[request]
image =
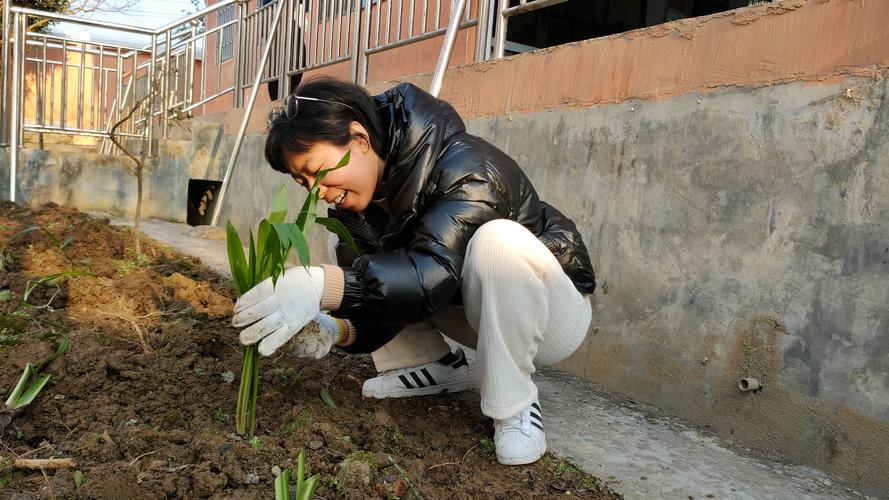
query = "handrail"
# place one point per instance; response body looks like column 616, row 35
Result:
column 201, row 13
column 77, row 20
column 447, row 47
column 217, row 207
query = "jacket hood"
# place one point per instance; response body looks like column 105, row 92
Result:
column 417, row 126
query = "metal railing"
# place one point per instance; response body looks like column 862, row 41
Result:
column 80, row 87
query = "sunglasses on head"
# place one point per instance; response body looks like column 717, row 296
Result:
column 291, row 107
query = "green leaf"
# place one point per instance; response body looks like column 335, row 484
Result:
column 79, row 478
column 67, row 242
column 336, row 227
column 292, row 237
column 5, row 295
column 61, row 349
column 32, row 392
column 236, row 260
column 308, row 489
column 300, row 471
column 282, row 485
column 306, row 217
column 325, row 396
column 23, row 231
column 20, row 386
column 31, row 285
column 279, row 206
column 251, row 262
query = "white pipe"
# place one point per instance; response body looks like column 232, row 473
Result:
column 749, row 384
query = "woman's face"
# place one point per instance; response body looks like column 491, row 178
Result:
column 350, row 187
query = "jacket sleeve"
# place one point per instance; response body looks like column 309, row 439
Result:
column 393, row 289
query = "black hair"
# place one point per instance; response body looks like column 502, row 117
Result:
column 323, row 121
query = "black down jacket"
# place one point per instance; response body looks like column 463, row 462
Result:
column 441, row 185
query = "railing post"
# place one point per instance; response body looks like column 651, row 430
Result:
column 483, row 30
column 14, row 114
column 4, row 87
column 500, row 33
column 152, row 68
column 365, row 41
column 165, row 88
column 356, row 47
column 284, row 42
column 238, row 100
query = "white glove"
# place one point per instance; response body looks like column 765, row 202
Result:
column 316, row 339
column 276, row 313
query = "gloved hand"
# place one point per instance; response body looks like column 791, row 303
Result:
column 276, row 313
column 316, row 339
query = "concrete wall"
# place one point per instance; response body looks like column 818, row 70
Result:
column 730, row 176
column 736, row 233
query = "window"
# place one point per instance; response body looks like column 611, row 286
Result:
column 226, row 44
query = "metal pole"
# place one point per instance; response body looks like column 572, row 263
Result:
column 14, row 129
column 365, row 41
column 447, row 47
column 217, row 208
column 165, row 100
column 284, row 42
column 148, row 88
column 356, row 47
column 500, row 33
column 4, row 87
column 242, row 50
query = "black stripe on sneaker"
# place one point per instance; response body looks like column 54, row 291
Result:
column 537, row 417
column 535, row 424
column 417, row 379
column 461, row 361
column 405, row 382
column 429, row 377
column 535, row 406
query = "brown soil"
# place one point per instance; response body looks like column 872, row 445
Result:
column 144, row 400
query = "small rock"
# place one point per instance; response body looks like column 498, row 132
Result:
column 155, row 465
column 59, row 397
column 251, row 478
column 355, row 470
column 276, row 471
column 315, row 444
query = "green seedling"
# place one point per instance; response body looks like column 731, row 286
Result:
column 255, row 442
column 267, row 254
column 325, row 396
column 30, row 384
column 50, row 280
column 305, row 488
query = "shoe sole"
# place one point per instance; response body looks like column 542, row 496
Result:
column 423, row 391
column 530, row 459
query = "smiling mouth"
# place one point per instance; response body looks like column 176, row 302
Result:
column 339, row 199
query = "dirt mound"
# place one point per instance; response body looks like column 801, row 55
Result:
column 144, row 401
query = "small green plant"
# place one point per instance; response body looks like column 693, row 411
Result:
column 288, row 377
column 486, row 446
column 221, row 416
column 255, row 442
column 267, row 254
column 305, row 488
column 302, row 418
column 30, row 384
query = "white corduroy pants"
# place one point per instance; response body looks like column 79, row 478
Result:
column 521, row 311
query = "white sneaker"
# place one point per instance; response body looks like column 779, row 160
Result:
column 520, row 440
column 448, row 374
